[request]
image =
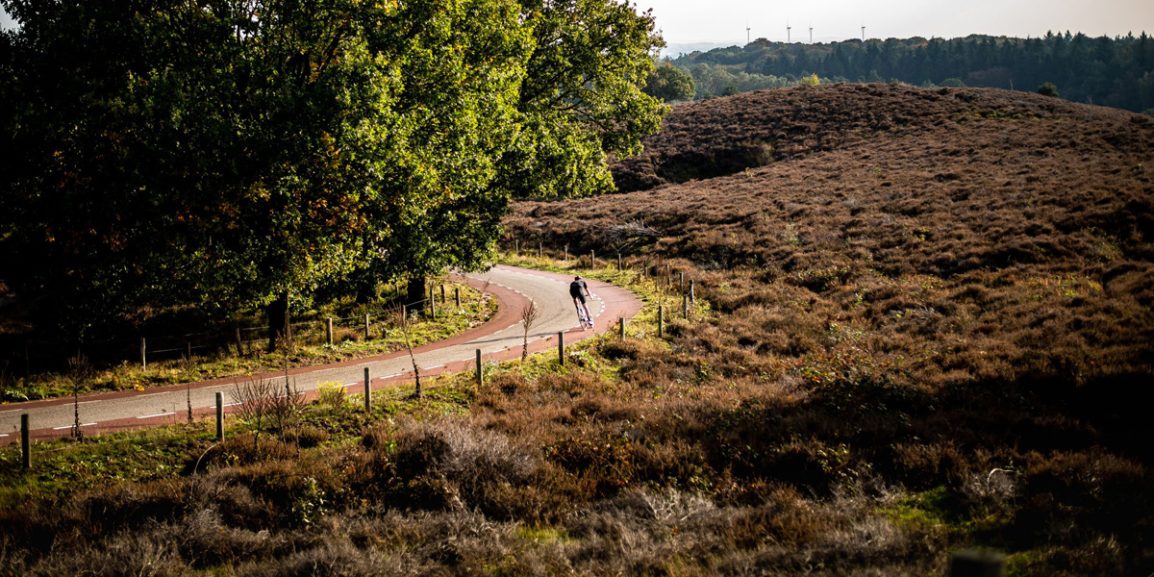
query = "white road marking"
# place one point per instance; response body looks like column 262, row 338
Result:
column 70, row 426
column 153, row 416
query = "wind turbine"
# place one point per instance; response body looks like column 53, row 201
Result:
column 863, row 32
column 747, row 32
column 788, row 38
column 811, row 33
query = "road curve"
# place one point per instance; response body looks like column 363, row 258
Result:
column 499, row 339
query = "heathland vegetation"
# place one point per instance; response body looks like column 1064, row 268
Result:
column 923, row 325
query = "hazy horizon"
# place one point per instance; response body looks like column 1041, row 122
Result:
column 729, row 22
column 726, row 21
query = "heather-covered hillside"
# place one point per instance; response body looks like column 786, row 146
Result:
column 954, row 281
column 924, row 323
column 963, row 234
column 722, row 136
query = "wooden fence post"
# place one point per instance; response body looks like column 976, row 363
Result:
column 685, row 306
column 219, row 416
column 457, row 295
column 621, row 328
column 329, row 331
column 143, row 354
column 25, row 442
column 239, row 343
column 540, row 249
column 660, row 321
column 368, row 393
column 592, row 259
column 692, row 292
column 561, row 347
column 367, row 335
column 619, row 269
column 480, row 371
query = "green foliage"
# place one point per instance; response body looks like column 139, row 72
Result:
column 1048, row 89
column 715, row 80
column 581, row 98
column 1115, row 71
column 670, row 83
column 258, row 154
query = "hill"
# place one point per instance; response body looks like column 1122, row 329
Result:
column 1000, row 233
column 923, row 324
column 950, row 273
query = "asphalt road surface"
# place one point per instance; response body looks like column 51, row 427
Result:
column 499, row 339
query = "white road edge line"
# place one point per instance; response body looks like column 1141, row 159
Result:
column 70, row 426
column 153, row 416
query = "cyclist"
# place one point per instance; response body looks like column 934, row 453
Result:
column 578, row 289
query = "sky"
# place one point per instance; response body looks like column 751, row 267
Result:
column 725, row 21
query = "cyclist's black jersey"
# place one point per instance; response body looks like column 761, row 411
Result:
column 577, row 289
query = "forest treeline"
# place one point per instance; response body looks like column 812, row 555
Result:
column 1117, row 72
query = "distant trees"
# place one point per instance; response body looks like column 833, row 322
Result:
column 670, row 83
column 715, row 80
column 1115, row 72
column 233, row 154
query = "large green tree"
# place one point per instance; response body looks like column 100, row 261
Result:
column 227, row 154
column 582, row 100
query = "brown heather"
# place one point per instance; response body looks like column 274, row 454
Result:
column 929, row 327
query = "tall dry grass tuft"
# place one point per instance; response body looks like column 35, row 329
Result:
column 130, row 552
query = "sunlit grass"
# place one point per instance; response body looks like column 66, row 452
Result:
column 348, row 344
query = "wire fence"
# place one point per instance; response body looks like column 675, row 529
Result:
column 29, row 357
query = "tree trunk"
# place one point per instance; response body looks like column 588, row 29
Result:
column 366, row 287
column 278, row 320
column 416, row 293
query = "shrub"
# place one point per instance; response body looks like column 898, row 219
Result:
column 331, row 394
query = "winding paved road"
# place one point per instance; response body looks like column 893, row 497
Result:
column 498, row 339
